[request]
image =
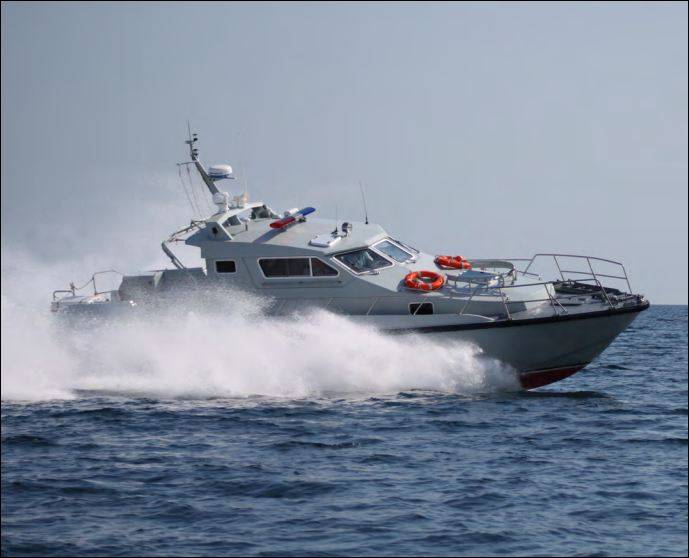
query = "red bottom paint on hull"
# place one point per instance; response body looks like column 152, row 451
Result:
column 539, row 378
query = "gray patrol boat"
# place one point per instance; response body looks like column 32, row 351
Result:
column 545, row 329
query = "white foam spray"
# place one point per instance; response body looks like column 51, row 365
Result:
column 223, row 347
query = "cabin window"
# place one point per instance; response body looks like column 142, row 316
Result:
column 394, row 251
column 225, row 266
column 360, row 261
column 296, row 267
column 322, row 269
column 421, row 308
column 285, row 267
column 274, row 267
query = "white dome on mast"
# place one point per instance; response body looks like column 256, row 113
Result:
column 220, row 172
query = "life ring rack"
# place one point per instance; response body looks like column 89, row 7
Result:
column 424, row 280
column 452, row 262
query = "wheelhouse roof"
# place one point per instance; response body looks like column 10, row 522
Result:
column 298, row 235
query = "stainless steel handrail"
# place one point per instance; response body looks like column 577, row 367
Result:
column 587, row 258
column 591, row 273
column 73, row 290
column 497, row 290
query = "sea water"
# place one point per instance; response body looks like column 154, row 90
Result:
column 206, row 432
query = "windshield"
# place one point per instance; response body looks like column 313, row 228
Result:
column 394, row 251
column 363, row 260
column 406, row 246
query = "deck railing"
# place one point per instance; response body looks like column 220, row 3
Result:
column 589, row 262
column 566, row 275
column 497, row 290
column 92, row 281
column 500, row 290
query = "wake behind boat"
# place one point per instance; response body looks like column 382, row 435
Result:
column 545, row 330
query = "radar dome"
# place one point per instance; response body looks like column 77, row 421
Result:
column 218, row 172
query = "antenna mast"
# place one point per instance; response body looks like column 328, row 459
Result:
column 194, row 154
column 363, row 198
column 335, row 231
column 242, row 162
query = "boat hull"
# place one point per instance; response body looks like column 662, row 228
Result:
column 542, row 350
column 539, row 378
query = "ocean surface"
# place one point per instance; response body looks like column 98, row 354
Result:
column 325, row 440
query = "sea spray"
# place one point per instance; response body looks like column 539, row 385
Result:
column 34, row 364
column 216, row 344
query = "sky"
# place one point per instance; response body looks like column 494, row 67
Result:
column 481, row 129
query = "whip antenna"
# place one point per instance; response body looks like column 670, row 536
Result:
column 242, row 164
column 363, row 199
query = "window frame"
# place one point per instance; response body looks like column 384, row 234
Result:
column 299, row 277
column 368, row 272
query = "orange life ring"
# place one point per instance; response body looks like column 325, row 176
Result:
column 452, row 262
column 424, row 280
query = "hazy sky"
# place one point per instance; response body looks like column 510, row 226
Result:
column 488, row 130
